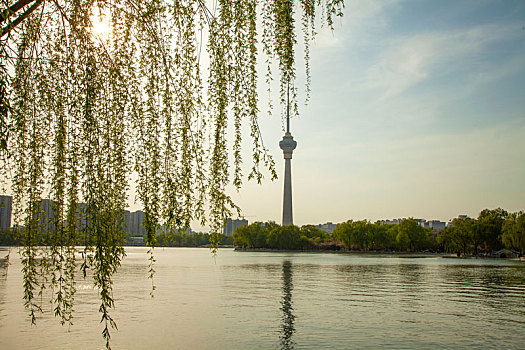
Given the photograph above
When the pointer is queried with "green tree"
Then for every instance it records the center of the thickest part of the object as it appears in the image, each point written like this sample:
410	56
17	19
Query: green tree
392	232
363	235
412	236
402	239
241	237
311	231
253	235
457	237
477	235
315	236
344	233
378	237
514	232
287	238
360	234
490	223
83	111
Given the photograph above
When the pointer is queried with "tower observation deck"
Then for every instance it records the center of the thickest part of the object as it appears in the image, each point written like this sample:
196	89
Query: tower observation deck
287	144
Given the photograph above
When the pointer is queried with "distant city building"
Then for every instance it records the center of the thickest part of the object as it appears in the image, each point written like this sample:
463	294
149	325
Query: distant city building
164	228
187	231
432	224
391	222
231	225
133	221
6	207
437	225
82	215
327	227
136	223
47	215
127	222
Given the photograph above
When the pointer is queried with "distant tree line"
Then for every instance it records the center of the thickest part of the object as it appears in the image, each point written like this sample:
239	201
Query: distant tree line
182	239
351	235
273	236
493	230
9	237
367	236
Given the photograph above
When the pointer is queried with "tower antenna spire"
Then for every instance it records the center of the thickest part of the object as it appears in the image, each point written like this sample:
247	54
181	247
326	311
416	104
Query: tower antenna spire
288	108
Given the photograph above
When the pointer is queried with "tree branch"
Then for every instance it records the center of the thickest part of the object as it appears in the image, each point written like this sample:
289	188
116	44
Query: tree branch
17	6
13	9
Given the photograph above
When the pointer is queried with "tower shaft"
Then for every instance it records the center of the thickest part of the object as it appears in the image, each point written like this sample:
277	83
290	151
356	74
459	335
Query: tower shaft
287	196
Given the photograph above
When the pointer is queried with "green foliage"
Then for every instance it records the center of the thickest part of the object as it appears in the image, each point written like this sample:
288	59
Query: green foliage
4	110
514	232
365	236
287	238
273	236
312	232
457	238
8	238
413	236
253	235
347	233
490	227
360	235
468	235
83	113
182	239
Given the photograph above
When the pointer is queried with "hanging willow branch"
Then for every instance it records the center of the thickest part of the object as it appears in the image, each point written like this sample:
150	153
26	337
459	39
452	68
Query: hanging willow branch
83	112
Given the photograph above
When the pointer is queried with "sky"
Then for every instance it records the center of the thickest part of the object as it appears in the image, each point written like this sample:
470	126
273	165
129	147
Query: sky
417	110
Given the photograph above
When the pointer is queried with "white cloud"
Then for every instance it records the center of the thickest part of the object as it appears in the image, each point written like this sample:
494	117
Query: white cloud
406	61
360	21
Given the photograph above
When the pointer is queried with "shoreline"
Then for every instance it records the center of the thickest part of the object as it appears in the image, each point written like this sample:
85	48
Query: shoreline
348	252
388	253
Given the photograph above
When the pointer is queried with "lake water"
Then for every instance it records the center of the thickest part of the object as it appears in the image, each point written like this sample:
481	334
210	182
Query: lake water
244	300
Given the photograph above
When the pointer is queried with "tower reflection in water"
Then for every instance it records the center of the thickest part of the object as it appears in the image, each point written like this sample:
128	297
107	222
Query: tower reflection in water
287	320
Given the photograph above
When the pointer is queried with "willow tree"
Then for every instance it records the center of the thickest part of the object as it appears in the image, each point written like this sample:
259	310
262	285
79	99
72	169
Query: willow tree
83	113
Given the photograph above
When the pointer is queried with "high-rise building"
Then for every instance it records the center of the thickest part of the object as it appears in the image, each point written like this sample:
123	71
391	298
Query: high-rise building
136	221
287	144
231	225
5	212
47	215
127	221
437	225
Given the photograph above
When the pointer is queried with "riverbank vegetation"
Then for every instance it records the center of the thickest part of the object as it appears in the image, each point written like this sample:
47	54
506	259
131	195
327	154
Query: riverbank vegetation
490	232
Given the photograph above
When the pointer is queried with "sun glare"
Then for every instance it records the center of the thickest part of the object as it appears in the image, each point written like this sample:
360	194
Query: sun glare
101	23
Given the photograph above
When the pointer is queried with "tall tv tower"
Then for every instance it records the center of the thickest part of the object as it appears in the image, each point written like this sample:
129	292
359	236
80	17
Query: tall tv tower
287	144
